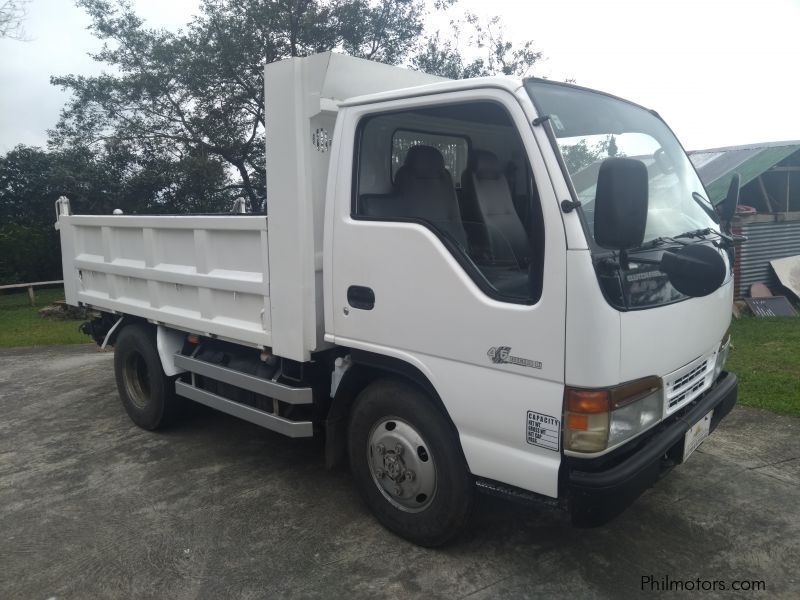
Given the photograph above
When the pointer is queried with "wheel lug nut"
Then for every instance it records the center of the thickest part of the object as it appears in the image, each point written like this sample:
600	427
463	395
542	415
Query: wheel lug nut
409	476
381	449
397	490
398	449
380	473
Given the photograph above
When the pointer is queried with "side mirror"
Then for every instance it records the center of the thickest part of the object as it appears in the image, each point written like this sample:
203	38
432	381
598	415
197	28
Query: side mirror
620	206
727	209
695	269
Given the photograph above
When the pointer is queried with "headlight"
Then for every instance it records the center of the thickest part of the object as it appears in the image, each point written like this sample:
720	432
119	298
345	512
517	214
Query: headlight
596	420
722	354
631	420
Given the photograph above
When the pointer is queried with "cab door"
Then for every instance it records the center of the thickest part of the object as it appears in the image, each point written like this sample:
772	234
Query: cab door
437	275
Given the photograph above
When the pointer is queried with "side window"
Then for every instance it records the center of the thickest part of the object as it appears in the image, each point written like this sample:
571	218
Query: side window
460	170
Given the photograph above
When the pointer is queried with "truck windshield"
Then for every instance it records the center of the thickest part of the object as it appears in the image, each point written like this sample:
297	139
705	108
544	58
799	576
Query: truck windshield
591	126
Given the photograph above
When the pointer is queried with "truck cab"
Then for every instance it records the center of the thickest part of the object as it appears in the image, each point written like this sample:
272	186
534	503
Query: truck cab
495	284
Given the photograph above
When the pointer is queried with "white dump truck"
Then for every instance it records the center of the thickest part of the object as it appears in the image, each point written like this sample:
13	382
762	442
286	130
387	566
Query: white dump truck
515	286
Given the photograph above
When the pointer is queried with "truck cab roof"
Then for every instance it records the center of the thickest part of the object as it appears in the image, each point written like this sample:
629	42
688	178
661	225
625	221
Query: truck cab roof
511	84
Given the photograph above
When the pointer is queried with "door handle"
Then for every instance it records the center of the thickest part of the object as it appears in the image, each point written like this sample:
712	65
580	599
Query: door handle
361	297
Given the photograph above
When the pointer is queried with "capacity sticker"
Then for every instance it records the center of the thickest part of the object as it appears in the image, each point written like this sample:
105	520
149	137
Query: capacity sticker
544	431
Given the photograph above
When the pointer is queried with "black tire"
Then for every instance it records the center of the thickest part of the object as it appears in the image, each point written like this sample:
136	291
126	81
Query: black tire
442	516
147	394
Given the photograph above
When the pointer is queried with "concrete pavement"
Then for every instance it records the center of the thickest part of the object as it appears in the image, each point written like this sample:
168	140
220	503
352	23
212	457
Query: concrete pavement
91	506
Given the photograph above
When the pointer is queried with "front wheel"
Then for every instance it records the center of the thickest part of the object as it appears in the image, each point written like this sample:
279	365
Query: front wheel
407	463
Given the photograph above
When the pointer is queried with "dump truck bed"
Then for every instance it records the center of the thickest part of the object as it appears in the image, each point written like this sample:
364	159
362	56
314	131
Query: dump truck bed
205	274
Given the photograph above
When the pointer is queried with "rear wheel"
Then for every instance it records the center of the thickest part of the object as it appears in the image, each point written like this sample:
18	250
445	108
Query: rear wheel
147	394
407	463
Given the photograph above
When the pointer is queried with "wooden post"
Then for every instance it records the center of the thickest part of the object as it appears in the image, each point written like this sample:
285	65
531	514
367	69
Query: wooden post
31	295
771	206
788	179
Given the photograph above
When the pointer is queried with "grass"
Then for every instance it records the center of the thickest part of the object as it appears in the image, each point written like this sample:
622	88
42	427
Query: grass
21	325
766	359
765	356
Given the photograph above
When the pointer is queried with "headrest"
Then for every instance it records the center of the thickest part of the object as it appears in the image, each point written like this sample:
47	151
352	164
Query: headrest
425	162
485	165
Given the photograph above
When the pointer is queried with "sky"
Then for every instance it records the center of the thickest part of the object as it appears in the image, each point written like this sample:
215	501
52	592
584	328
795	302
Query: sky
719	72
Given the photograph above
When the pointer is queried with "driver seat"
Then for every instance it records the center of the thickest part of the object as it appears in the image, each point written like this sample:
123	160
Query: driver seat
486	199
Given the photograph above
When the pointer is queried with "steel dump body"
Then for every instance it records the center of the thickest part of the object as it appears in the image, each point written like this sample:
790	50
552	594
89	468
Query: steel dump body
204	274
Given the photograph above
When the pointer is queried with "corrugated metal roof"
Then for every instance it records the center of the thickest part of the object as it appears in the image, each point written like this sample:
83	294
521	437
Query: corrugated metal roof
716	166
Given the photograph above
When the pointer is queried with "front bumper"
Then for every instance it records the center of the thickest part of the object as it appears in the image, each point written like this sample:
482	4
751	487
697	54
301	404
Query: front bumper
598	491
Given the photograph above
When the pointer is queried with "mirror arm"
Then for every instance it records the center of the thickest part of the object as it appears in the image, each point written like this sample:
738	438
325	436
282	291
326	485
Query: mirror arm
729	239
608	265
725	229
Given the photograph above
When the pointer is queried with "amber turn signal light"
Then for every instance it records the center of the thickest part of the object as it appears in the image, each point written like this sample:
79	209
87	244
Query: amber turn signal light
577	422
587	401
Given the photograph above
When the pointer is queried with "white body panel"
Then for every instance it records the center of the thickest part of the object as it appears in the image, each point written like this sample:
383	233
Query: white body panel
301	104
606	347
593	330
429	313
208	275
660	340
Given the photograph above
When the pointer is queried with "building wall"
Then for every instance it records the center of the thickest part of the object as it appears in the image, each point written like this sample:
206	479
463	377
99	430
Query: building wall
767	239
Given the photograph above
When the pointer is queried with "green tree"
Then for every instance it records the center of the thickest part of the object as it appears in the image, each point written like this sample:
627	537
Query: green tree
28	245
199	92
96	181
581	154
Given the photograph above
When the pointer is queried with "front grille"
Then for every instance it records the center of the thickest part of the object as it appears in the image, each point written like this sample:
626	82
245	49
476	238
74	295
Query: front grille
688	382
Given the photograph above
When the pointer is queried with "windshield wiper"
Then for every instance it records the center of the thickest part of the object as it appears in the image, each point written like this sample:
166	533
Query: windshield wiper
659	241
729	239
674	239
698	234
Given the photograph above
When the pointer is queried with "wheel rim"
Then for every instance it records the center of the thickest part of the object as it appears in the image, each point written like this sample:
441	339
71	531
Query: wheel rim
402	465
136	379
